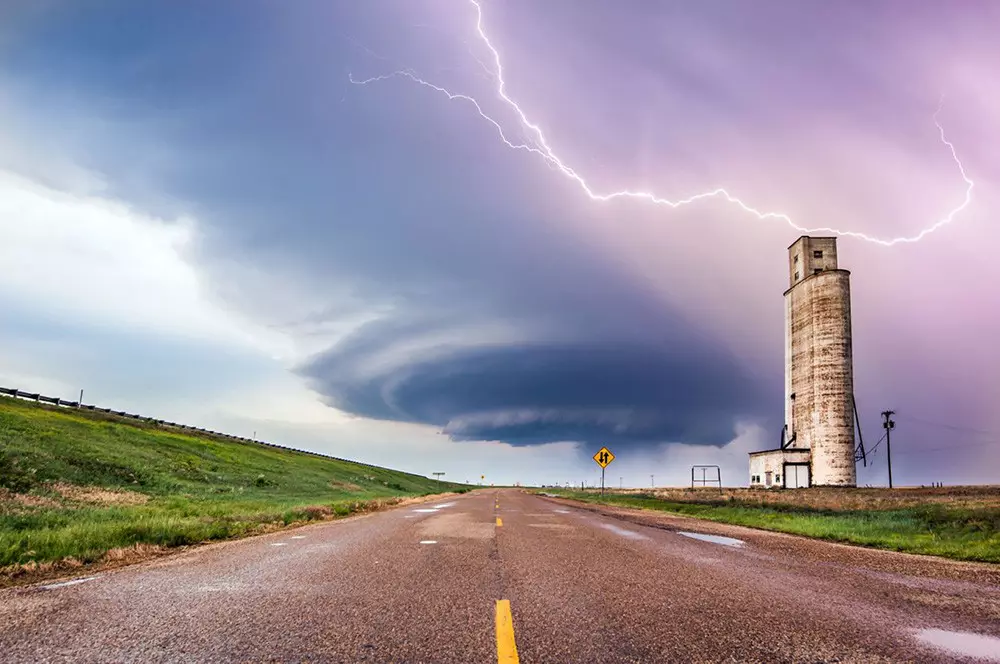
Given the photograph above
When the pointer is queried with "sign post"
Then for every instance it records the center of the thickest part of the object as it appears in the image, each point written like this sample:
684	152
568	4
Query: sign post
604	457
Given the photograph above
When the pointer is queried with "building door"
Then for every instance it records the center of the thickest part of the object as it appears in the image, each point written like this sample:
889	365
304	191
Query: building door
767	474
796	475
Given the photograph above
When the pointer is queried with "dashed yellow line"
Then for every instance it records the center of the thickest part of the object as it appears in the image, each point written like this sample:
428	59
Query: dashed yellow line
506	647
499	521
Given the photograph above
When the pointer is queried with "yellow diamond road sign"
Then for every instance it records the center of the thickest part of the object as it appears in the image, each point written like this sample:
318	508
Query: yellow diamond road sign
604	457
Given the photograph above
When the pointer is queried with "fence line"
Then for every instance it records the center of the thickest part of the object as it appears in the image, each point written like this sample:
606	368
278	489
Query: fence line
56	401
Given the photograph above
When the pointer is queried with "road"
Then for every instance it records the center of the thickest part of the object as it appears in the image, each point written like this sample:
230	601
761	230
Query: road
505	576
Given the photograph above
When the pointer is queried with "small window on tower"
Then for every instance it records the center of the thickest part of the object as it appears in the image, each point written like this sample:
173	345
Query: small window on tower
795	259
817	270
817	254
796	276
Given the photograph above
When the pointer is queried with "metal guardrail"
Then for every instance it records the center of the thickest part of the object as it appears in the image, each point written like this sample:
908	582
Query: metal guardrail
56	401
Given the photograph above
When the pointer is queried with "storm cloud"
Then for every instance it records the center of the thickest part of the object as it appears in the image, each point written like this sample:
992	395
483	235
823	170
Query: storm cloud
411	268
592	390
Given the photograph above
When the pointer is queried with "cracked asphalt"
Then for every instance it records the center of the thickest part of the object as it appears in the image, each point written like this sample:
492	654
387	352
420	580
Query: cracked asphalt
425	583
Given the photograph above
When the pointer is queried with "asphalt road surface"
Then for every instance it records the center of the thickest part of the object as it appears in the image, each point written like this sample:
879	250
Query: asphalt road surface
504	576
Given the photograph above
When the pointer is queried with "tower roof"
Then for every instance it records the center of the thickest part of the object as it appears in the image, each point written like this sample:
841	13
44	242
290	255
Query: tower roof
813	237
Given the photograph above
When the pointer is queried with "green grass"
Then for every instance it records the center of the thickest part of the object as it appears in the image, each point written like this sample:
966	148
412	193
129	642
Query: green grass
959	532
197	488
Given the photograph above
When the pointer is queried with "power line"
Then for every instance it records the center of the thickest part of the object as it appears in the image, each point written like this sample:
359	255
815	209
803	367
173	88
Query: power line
953	427
991	443
875	446
994	437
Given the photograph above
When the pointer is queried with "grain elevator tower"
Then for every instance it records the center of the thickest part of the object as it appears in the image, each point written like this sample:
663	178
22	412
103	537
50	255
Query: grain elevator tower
817	441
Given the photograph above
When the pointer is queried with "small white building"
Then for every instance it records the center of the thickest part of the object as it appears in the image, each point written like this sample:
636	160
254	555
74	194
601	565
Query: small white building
788	468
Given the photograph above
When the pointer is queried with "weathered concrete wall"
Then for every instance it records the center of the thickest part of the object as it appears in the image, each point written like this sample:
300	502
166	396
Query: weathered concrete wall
774	462
789	402
809	254
819	375
822	379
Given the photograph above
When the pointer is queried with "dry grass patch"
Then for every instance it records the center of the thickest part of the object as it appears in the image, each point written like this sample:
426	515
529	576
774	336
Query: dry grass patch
350	487
134	553
318	511
25	499
94	495
33	571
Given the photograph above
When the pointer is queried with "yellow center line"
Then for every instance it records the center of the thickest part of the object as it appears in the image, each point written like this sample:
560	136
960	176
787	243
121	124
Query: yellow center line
506	647
499	521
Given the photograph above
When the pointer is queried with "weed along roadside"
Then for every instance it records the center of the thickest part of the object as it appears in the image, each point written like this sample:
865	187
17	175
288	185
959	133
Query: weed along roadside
962	523
77	490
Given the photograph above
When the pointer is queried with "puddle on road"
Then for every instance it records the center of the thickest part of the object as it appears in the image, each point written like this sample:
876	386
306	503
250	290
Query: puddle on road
561	511
714	539
963	643
617	530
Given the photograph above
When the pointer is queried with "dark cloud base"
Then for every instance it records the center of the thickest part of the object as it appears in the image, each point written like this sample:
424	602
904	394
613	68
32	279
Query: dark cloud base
628	395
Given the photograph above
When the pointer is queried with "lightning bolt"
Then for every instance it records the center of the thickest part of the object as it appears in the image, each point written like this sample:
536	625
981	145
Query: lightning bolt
540	147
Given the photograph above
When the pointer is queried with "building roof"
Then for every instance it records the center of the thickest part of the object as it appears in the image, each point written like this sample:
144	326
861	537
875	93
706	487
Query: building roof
813	237
782	449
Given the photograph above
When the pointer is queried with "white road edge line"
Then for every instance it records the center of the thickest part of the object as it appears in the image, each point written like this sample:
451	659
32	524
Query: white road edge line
428	541
622	532
714	539
72	582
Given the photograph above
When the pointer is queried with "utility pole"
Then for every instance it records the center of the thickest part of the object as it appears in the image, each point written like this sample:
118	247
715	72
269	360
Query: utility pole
619	483
651	485
888	425
79	404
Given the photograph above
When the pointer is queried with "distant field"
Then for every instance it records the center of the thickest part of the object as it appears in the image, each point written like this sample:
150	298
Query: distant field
955	522
79	487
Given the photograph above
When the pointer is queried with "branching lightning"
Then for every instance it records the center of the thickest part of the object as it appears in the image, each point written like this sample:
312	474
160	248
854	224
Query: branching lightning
541	147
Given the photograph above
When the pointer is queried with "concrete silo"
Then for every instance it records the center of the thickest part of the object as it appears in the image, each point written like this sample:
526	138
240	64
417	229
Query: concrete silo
817	442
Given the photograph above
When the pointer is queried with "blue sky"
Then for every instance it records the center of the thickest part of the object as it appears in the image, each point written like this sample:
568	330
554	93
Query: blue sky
208	221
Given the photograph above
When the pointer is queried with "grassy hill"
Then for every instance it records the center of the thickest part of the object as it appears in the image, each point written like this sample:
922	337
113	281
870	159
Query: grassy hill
78	487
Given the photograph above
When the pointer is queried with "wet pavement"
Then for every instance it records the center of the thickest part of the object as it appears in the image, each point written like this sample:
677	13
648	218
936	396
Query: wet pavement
507	576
